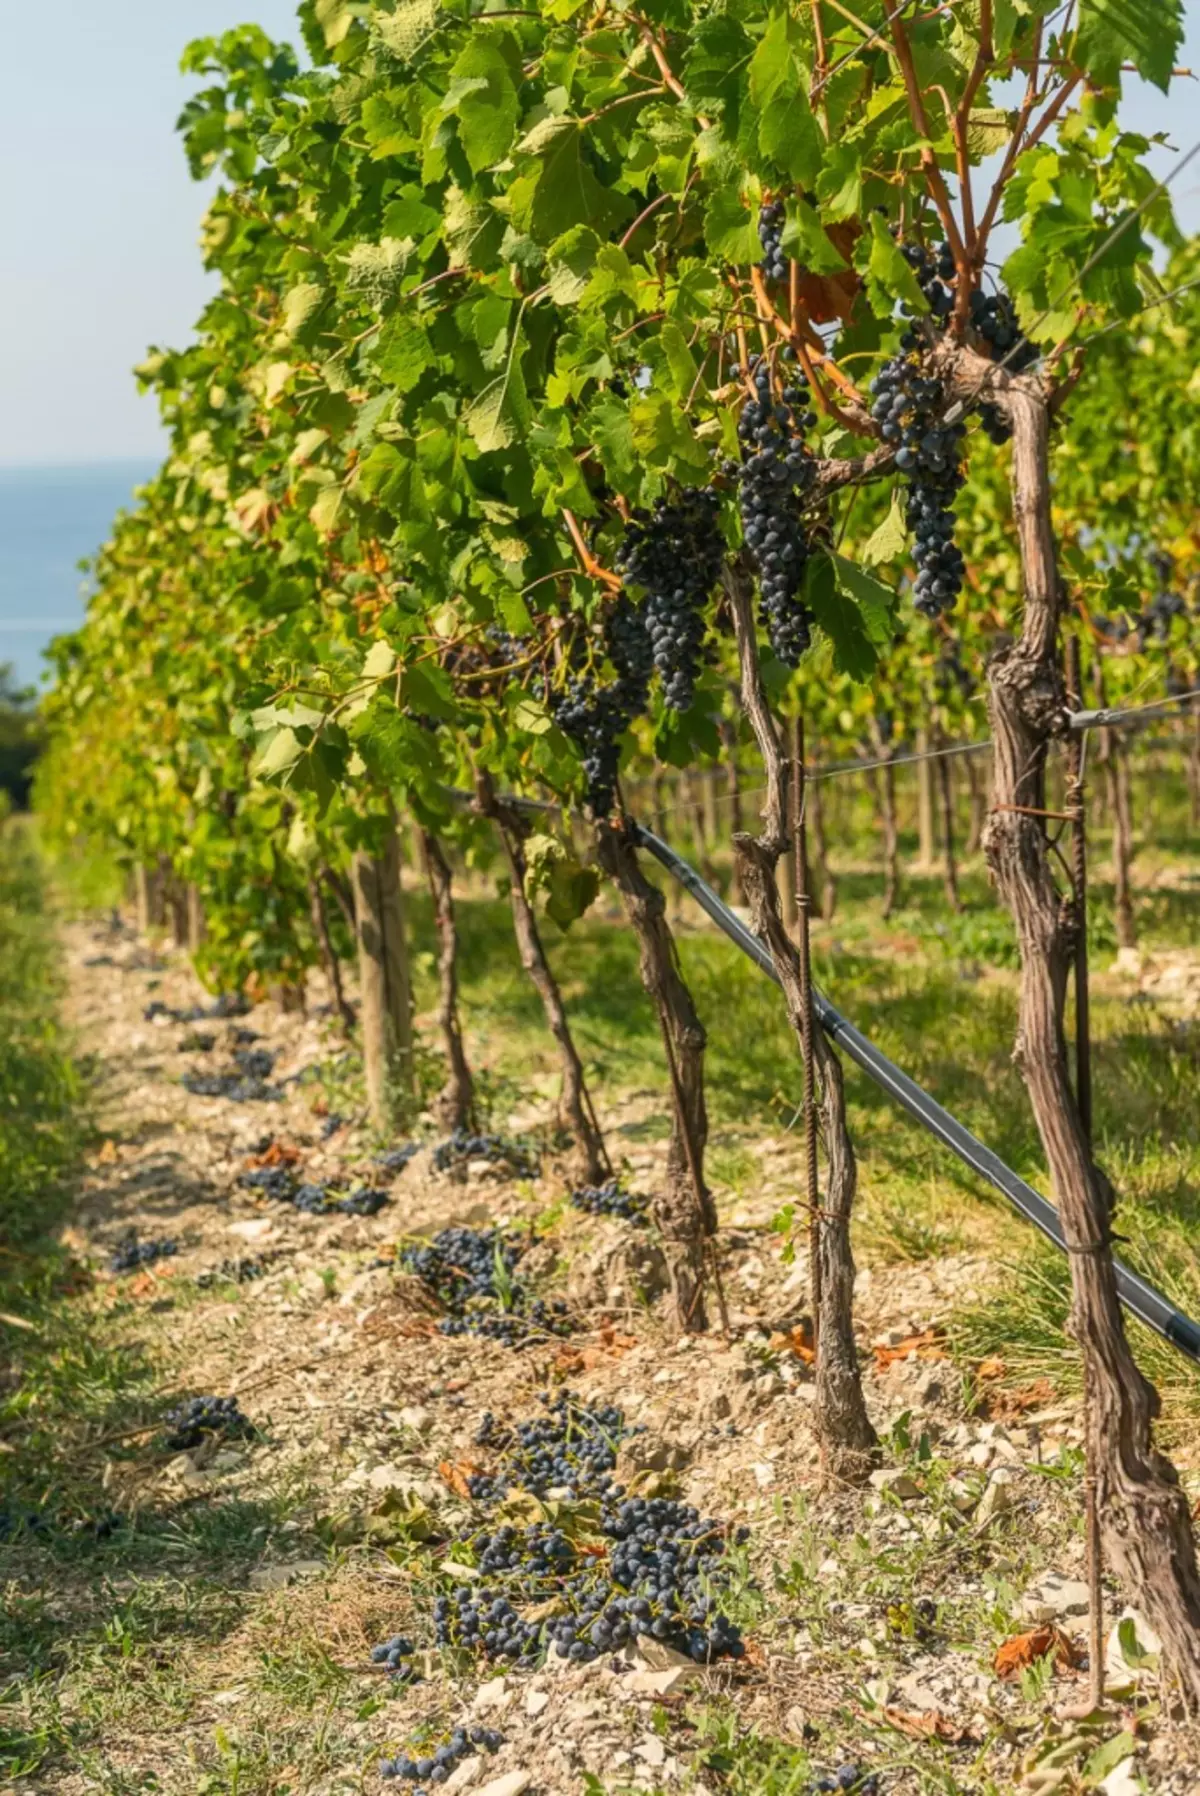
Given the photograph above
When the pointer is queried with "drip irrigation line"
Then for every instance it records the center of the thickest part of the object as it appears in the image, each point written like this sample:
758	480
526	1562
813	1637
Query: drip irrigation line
1136	1293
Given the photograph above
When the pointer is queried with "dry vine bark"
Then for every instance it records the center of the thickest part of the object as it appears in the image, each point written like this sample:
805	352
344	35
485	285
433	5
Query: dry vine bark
844	1432
576	1116
1145	1514
383	977
686	1217
455	1103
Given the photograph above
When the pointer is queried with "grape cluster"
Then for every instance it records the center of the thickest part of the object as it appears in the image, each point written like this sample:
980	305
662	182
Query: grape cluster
312	1198
134	1253
469	1271
513	1328
847	1780
649	1571
674	554
462	1263
610	1200
775	472
230	1004
571	1448
395	1159
994	320
246	1083
648	1566
933	269
463	1145
1154	624
435	1767
770	235
596	716
204	1417
236	1272
950	673
908	406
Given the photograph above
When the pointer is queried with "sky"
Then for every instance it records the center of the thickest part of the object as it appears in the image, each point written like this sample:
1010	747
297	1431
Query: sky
99	217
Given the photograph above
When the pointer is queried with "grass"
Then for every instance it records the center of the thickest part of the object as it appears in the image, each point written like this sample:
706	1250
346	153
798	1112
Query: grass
117	1646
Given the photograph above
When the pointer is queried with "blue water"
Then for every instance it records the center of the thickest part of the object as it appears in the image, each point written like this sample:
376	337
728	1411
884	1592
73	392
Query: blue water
50	518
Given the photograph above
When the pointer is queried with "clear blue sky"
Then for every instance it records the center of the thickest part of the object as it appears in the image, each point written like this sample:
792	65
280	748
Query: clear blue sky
98	218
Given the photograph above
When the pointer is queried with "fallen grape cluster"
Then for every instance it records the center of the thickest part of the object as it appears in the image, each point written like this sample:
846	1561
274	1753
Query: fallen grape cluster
311	1197
776	471
435	1767
230	1004
246	1082
395	1159
203	1418
583	1585
674	553
610	1200
234	1271
134	1253
462	1146
470	1272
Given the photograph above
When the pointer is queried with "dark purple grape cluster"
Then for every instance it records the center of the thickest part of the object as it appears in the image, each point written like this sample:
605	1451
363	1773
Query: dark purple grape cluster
234	1271
611	1200
774	474
848	1780
134	1253
770	235
462	1145
909	406
950	672
435	1767
934	269
202	1418
674	554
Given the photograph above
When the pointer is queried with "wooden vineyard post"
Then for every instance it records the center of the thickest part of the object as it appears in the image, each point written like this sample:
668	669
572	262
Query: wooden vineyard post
1083	1097
950	870
926	844
329	959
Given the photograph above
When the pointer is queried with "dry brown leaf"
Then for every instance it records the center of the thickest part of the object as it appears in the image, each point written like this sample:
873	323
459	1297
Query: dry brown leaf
925	1725
1007	1406
109	1151
1026	1649
927	1345
456	1475
990	1368
798	1341
280	1153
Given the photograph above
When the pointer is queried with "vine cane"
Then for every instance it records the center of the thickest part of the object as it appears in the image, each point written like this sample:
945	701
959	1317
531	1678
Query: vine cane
812	1189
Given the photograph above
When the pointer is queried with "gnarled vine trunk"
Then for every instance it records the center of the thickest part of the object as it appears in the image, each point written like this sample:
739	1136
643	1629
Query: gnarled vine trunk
195	918
684	1209
384	990
1144	1512
575	1112
455	1103
978	806
149	898
844	1433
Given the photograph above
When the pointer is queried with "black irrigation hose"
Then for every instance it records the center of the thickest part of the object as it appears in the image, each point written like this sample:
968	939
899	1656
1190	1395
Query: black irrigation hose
1139	1297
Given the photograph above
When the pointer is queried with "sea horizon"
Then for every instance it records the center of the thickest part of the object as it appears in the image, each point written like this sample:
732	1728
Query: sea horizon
52	516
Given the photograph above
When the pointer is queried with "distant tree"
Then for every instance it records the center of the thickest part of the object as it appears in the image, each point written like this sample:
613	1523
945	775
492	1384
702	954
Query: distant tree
20	737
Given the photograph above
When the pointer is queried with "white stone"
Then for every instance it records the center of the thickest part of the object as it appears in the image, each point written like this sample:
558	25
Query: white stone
511	1784
536	1701
895	1481
1054	1597
998	1493
651	1750
415	1418
660	1683
278	1577
493	1695
764	1474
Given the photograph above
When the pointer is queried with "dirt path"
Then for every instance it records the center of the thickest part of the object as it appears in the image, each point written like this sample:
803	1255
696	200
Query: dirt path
871	1623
